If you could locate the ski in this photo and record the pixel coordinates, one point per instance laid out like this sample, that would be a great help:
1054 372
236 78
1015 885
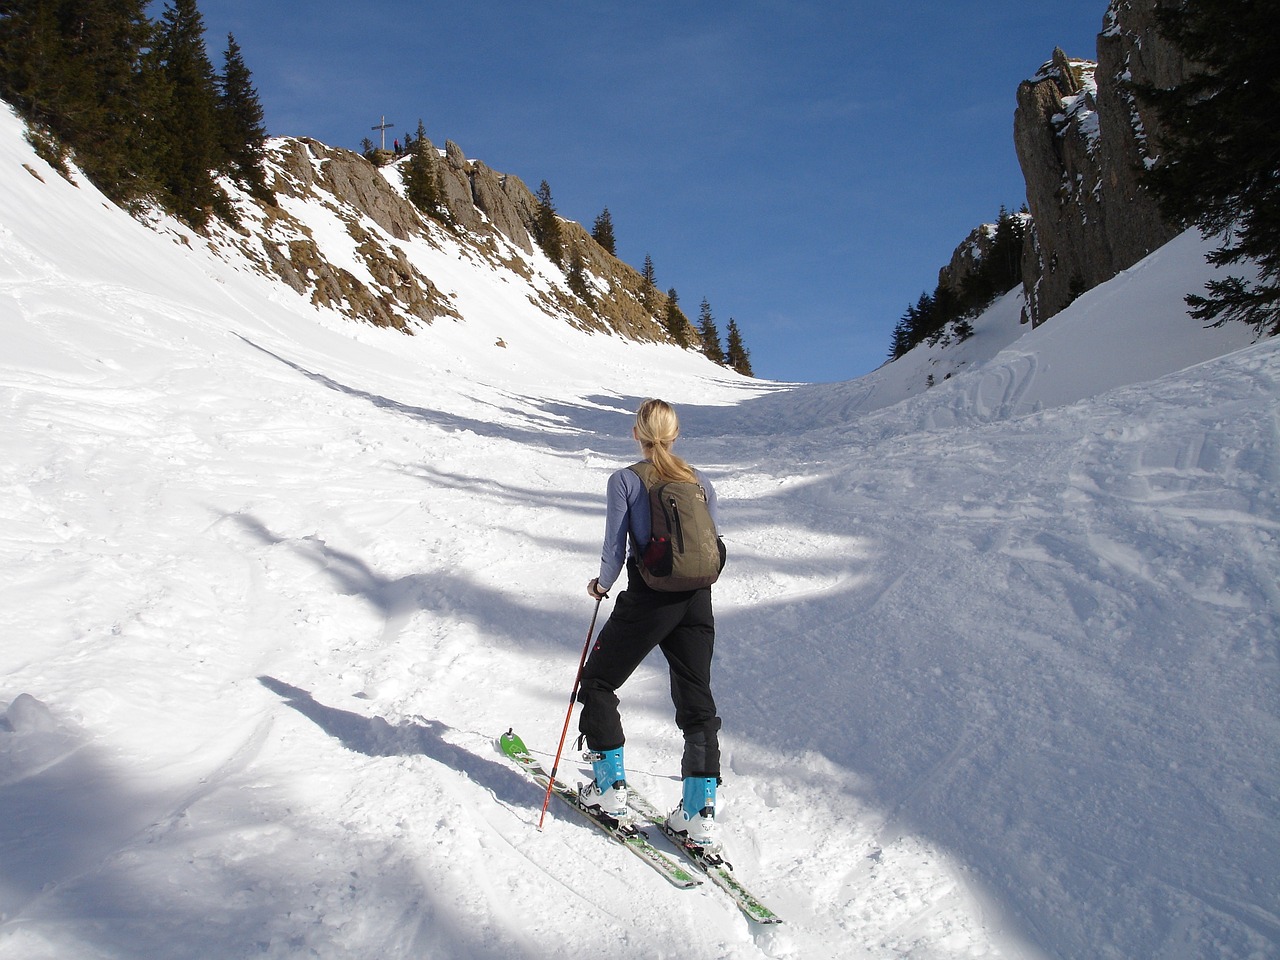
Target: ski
624 833
715 866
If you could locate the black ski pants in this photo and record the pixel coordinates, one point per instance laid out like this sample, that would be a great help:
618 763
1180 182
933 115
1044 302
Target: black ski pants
683 627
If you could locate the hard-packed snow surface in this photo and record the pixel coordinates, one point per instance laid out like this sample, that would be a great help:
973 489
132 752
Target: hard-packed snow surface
997 660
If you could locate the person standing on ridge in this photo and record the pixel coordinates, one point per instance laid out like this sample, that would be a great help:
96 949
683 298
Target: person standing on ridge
680 622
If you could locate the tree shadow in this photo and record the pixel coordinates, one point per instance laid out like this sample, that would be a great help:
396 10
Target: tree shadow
550 433
105 857
375 737
602 422
398 598
581 504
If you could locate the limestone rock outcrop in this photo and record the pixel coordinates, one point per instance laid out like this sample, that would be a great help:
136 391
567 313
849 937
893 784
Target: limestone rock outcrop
967 257
1083 139
370 275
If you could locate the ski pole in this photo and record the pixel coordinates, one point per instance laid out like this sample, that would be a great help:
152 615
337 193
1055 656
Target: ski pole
573 697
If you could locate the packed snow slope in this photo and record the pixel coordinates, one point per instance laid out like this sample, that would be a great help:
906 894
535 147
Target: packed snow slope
997 660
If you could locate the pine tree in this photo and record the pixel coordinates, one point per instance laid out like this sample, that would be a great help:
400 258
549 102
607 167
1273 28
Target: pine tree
577 280
675 321
901 344
243 125
943 315
738 356
547 227
1219 166
648 284
34 62
1005 256
138 102
421 176
947 306
190 119
709 334
602 232
74 70
920 319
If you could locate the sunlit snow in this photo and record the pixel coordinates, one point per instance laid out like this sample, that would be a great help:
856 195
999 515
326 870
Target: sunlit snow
997 659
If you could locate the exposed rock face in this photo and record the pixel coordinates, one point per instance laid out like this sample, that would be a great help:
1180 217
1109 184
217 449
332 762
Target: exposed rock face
1056 136
455 184
493 197
300 168
1131 51
966 258
395 293
493 217
1083 140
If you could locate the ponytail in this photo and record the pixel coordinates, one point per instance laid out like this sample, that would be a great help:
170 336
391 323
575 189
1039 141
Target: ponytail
657 427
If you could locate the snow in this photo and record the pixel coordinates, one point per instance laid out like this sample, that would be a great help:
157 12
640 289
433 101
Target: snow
1080 108
997 659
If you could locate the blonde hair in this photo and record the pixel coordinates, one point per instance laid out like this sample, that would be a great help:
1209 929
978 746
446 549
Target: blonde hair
657 427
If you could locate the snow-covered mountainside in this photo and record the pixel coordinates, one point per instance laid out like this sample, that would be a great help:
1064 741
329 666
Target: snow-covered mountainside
341 233
997 659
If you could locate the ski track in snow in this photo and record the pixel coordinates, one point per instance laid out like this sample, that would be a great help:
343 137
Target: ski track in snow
997 661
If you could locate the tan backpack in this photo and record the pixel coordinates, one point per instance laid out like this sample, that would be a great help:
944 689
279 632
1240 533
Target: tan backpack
684 551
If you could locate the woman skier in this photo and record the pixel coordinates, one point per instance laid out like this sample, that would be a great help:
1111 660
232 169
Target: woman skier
679 622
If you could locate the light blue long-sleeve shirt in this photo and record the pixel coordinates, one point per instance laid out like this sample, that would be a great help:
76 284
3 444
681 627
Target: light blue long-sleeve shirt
627 512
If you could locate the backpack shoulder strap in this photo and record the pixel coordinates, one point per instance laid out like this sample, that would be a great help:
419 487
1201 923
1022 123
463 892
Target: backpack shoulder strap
646 471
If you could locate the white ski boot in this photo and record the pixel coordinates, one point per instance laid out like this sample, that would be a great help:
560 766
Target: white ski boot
695 815
608 791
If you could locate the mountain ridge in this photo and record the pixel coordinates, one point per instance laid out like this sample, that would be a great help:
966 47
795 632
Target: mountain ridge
369 264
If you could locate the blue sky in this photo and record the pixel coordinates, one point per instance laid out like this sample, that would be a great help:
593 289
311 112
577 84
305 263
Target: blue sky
806 167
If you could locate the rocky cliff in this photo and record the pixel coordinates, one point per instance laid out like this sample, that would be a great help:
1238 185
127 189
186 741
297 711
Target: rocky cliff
1083 139
966 258
369 258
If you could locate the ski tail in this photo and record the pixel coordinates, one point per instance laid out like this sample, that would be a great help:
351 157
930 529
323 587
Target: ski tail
635 840
718 870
